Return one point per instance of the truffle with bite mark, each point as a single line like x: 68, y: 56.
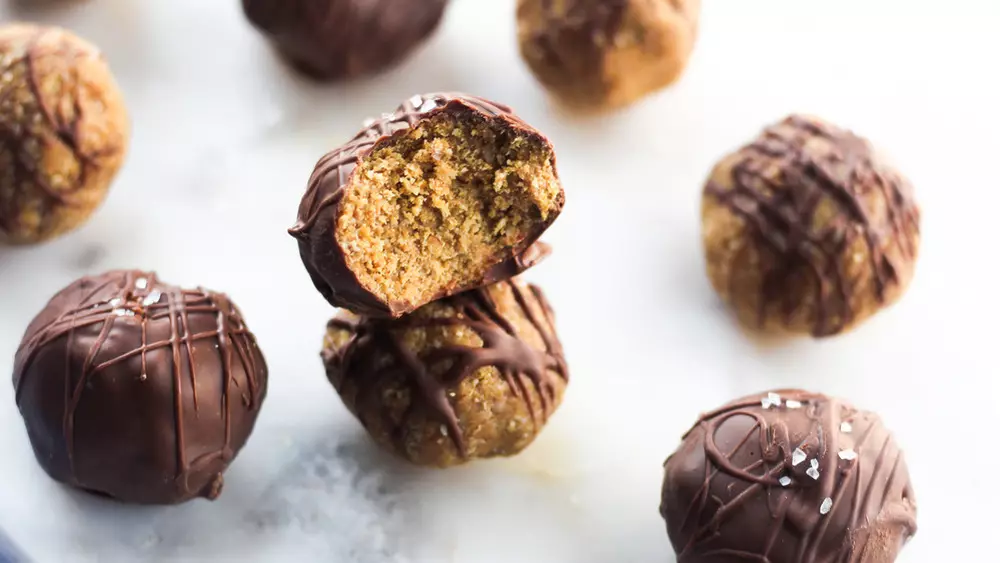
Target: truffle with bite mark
x: 807, y: 230
x: 788, y: 477
x: 138, y: 390
x: 444, y: 195
x: 475, y: 375
x: 63, y: 132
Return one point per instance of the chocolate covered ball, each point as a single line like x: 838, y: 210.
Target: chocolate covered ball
x: 63, y: 132
x: 139, y: 390
x: 807, y: 230
x: 475, y: 375
x: 339, y: 39
x: 788, y: 477
x: 601, y: 54
x: 446, y: 194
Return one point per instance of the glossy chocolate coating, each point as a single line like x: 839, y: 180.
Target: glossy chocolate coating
x: 337, y: 39
x: 315, y: 230
x: 788, y: 477
x: 139, y: 390
x: 366, y: 364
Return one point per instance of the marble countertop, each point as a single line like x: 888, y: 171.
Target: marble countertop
x: 225, y: 138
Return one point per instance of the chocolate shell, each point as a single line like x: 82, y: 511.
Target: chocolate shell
x: 138, y: 390
x: 322, y: 254
x: 342, y: 39
x: 788, y: 477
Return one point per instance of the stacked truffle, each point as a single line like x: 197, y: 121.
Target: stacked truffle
x: 419, y: 227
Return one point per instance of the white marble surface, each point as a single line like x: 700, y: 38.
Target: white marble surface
x: 225, y: 138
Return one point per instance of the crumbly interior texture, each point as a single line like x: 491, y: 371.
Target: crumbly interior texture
x: 435, y: 208
x: 494, y: 420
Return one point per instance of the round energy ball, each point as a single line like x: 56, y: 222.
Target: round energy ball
x: 139, y: 390
x: 788, y: 477
x: 807, y: 231
x: 602, y: 54
x: 64, y: 130
x: 475, y: 375
x: 340, y: 39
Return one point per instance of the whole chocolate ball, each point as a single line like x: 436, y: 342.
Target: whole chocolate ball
x: 139, y: 390
x: 337, y: 39
x: 64, y: 132
x: 475, y: 375
x: 807, y: 231
x: 788, y: 477
x: 601, y: 54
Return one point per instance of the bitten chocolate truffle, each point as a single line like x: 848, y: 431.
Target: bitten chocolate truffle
x: 788, y: 477
x: 807, y: 231
x: 340, y: 39
x: 446, y: 194
x: 64, y: 131
x: 138, y: 390
x: 602, y: 54
x: 475, y: 375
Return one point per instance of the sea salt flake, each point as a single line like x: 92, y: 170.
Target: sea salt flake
x: 123, y: 313
x: 152, y: 299
x: 115, y: 302
x: 416, y: 100
x: 785, y: 480
x: 814, y: 463
x: 141, y: 283
x: 793, y: 404
x: 798, y: 456
x: 444, y: 430
x: 428, y: 105
x: 848, y: 455
x: 813, y: 472
x: 826, y: 506
x: 846, y: 427
x: 772, y: 400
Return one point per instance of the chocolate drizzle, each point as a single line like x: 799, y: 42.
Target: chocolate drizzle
x: 376, y: 352
x: 31, y: 54
x: 818, y: 164
x: 315, y: 229
x: 121, y: 369
x: 805, y: 479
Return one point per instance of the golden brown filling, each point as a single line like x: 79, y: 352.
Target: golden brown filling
x: 439, y: 205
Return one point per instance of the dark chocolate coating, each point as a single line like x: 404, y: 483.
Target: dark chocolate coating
x: 814, y: 481
x: 363, y: 360
x: 138, y: 390
x: 338, y: 39
x: 315, y: 230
